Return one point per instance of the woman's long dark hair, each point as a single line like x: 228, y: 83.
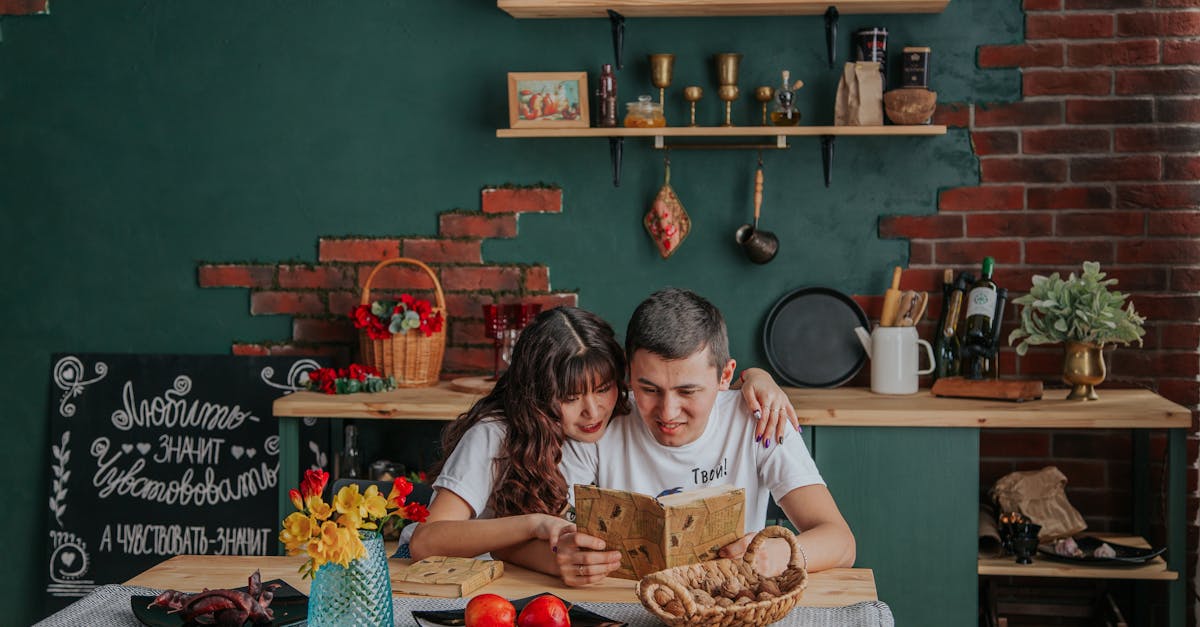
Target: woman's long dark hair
x: 560, y: 354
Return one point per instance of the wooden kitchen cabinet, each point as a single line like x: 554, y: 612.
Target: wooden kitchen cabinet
x: 905, y: 473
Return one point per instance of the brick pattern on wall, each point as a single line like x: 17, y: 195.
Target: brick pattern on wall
x: 1097, y: 161
x: 318, y: 296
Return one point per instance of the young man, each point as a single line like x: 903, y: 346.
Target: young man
x: 689, y: 431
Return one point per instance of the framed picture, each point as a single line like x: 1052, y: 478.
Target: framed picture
x: 548, y: 100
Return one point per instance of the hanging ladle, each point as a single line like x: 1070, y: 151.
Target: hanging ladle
x: 760, y: 246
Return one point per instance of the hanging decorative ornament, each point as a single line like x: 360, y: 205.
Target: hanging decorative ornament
x: 666, y: 221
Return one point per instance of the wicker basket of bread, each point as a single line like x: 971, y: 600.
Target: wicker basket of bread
x: 726, y: 592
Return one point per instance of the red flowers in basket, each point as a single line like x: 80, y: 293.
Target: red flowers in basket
x: 382, y: 319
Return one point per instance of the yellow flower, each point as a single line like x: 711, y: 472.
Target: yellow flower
x: 319, y: 508
x: 374, y: 505
x: 347, y: 499
x: 351, y: 520
x: 297, y: 529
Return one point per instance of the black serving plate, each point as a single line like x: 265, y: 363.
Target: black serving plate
x: 809, y: 337
x: 289, y: 605
x: 1088, y: 544
x: 455, y: 618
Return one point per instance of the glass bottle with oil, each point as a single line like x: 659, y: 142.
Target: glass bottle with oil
x: 786, y: 113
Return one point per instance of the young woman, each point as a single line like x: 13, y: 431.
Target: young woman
x: 499, y: 484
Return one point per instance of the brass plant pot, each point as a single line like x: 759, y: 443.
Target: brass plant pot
x: 1083, y: 368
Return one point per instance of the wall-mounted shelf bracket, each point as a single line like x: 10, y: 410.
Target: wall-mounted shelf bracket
x: 616, y: 146
x: 831, y: 21
x: 618, y: 35
x: 827, y: 142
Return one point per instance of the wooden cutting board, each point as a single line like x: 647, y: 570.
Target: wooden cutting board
x: 473, y: 385
x: 998, y: 389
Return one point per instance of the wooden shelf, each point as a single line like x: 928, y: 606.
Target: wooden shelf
x: 859, y: 407
x: 1155, y: 569
x: 709, y: 8
x: 923, y: 130
x: 841, y: 407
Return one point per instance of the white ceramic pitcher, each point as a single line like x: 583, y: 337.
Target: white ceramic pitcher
x: 895, y: 360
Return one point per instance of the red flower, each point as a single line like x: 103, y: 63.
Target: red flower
x: 401, y: 488
x: 408, y: 300
x: 314, y: 482
x: 362, y: 316
x: 361, y: 372
x: 423, y: 308
x: 416, y: 512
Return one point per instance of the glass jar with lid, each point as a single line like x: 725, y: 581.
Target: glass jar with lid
x: 645, y: 113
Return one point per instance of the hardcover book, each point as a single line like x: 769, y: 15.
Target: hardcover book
x: 446, y: 576
x: 657, y: 533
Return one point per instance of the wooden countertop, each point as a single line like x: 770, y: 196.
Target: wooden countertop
x: 1155, y: 569
x: 831, y: 588
x: 840, y: 407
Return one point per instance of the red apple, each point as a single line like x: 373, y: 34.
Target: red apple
x: 544, y: 611
x: 490, y: 610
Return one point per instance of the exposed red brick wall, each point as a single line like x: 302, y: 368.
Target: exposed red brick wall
x: 318, y: 296
x: 1097, y: 161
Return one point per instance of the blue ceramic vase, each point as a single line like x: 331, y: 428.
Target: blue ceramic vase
x: 358, y: 595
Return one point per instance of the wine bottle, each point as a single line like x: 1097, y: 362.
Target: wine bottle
x: 977, y: 339
x: 351, y: 456
x: 946, y: 344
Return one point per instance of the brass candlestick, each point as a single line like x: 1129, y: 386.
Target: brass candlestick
x: 662, y: 67
x: 727, y: 75
x: 692, y: 94
x: 764, y: 95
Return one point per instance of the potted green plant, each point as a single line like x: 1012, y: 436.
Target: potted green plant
x: 1083, y: 314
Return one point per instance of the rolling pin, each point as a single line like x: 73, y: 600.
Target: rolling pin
x: 891, y: 301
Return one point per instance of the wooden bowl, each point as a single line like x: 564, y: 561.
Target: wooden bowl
x: 910, y: 105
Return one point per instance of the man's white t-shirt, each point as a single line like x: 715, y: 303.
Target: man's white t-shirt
x: 627, y: 457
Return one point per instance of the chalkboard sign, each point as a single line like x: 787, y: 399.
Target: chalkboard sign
x: 153, y: 456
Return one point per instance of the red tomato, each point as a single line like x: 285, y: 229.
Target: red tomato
x: 490, y: 610
x: 544, y: 611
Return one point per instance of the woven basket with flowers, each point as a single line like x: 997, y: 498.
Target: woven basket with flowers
x: 725, y: 592
x: 405, y: 339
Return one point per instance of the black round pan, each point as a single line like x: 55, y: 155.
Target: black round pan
x: 809, y: 337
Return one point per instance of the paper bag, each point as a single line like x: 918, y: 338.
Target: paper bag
x: 859, y: 96
x: 1040, y: 495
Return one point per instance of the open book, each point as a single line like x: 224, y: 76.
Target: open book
x: 653, y: 534
x: 445, y: 576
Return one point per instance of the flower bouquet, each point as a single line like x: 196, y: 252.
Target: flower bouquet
x: 382, y: 319
x: 346, y: 559
x: 350, y: 380
x: 329, y: 532
x: 414, y: 359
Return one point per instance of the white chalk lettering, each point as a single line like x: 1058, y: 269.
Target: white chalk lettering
x: 112, y: 479
x: 171, y: 410
x: 186, y: 449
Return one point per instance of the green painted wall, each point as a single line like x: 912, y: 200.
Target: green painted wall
x: 138, y: 138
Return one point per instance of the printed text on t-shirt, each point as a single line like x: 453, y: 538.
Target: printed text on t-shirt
x: 702, y: 476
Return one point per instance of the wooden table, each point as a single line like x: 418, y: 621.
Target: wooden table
x: 831, y: 588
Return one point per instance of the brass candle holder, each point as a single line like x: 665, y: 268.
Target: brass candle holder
x: 727, y: 75
x: 662, y: 67
x: 692, y: 94
x: 764, y: 95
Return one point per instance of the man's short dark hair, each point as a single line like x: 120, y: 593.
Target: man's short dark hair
x: 675, y: 323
